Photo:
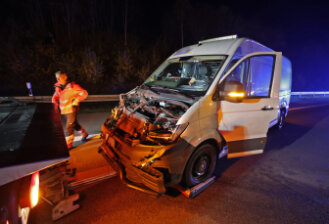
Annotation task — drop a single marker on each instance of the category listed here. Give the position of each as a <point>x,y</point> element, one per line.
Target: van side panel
<point>285,84</point>
<point>286,71</point>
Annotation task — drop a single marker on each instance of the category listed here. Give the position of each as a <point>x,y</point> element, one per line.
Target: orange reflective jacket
<point>68,96</point>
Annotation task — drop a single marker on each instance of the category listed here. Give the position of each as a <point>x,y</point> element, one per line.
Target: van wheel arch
<point>282,117</point>
<point>201,164</point>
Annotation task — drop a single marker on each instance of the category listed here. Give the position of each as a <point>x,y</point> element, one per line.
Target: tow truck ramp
<point>85,167</point>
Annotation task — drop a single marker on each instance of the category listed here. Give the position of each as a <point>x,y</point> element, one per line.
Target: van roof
<point>221,46</point>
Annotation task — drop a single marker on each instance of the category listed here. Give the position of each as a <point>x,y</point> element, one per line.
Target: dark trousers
<point>72,122</point>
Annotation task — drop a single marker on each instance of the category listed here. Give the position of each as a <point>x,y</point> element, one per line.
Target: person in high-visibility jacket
<point>68,95</point>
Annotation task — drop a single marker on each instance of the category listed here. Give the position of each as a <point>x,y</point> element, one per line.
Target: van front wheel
<point>200,166</point>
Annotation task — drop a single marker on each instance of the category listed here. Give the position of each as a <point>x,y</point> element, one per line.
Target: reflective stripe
<point>69,139</point>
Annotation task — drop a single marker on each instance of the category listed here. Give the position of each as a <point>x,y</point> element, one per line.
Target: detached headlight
<point>169,136</point>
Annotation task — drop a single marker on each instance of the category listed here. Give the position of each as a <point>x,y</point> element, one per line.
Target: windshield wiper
<point>172,90</point>
<point>149,88</point>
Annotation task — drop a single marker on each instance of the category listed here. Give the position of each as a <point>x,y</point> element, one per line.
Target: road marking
<point>78,138</point>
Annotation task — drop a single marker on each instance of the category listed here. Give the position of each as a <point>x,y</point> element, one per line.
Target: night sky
<point>300,29</point>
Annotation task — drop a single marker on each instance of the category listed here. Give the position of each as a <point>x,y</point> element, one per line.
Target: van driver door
<point>244,124</point>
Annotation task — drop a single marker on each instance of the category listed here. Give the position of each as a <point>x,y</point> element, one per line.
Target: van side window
<point>255,74</point>
<point>260,71</point>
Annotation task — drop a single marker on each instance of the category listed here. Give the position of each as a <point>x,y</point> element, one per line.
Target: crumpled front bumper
<point>145,179</point>
<point>153,177</point>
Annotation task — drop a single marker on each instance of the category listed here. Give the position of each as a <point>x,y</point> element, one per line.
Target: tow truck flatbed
<point>31,138</point>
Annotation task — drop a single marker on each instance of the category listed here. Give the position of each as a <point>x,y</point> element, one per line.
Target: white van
<point>213,99</point>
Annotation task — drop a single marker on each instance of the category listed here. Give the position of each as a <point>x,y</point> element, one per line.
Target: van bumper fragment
<point>146,179</point>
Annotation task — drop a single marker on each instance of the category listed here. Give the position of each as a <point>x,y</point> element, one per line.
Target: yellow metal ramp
<point>88,165</point>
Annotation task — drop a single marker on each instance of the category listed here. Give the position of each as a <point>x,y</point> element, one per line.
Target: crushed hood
<point>148,115</point>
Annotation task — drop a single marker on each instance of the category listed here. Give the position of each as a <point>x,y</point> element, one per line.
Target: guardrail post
<point>29,87</point>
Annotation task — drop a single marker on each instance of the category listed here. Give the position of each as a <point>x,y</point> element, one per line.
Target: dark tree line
<point>107,46</point>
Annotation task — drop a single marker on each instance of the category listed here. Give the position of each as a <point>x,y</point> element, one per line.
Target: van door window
<point>259,76</point>
<point>239,73</point>
<point>255,74</point>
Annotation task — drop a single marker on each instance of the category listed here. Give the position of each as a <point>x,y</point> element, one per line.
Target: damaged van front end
<point>148,136</point>
<point>142,139</point>
<point>209,100</point>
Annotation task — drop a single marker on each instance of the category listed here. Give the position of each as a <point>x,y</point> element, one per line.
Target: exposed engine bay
<point>143,116</point>
<point>140,130</point>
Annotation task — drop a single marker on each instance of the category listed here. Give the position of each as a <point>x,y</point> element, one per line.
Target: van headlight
<point>168,136</point>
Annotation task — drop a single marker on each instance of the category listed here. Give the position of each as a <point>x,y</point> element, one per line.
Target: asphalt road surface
<point>289,183</point>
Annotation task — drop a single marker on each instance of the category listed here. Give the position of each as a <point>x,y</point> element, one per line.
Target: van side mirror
<point>231,91</point>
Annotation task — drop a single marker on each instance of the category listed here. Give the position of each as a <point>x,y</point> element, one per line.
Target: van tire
<point>281,120</point>
<point>201,165</point>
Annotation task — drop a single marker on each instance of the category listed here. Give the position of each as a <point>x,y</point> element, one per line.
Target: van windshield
<point>191,75</point>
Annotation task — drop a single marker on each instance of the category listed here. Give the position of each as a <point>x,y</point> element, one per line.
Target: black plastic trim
<point>246,145</point>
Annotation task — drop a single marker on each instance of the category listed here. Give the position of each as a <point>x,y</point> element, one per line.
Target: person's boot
<point>69,141</point>
<point>83,134</point>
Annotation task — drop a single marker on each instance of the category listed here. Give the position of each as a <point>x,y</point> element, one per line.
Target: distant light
<point>236,94</point>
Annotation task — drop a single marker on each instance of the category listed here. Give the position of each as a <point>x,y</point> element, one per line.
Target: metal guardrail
<point>47,99</point>
<point>109,98</point>
<point>323,93</point>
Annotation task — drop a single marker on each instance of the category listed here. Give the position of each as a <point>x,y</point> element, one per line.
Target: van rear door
<point>244,124</point>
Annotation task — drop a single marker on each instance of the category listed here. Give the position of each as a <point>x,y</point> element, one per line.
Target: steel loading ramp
<point>87,166</point>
